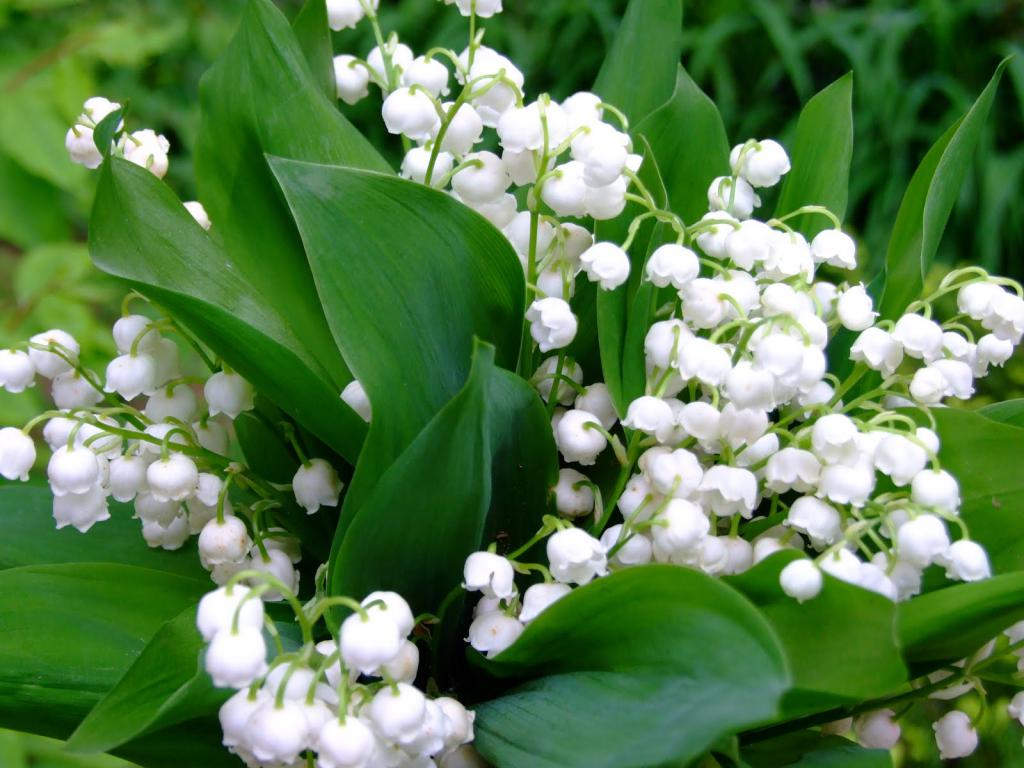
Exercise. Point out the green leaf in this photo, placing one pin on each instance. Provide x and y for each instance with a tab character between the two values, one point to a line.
107	129
821	156
1007	412
639	71
647	666
811	749
407	277
30	537
141	232
928	201
841	646
261	98
166	685
986	459
314	37
689	142
437	497
68	633
949	624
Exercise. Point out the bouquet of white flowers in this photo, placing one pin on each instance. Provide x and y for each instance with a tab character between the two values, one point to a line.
552	449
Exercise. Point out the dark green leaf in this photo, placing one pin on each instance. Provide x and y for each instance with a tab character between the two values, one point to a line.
437	496
30	537
928	202
261	98
951	623
165	686
103	134
141	232
640	69
689	142
810	749
986	459
314	37
821	156
841	645
647	666
69	632
1008	412
408	277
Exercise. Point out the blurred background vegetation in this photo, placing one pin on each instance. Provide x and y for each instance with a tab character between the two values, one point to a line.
918	66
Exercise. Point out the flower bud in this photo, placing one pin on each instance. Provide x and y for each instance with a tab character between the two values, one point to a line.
955	735
149	150
172	479
236	659
398	712
552	323
763	164
72	469
922	540
228	393
578	442
965	560
369	643
575	556
50	364
573	498
276	734
606	264
226	542
218	609
17	372
131	375
490	574
855	309
345	745
351	78
835	248
740	202
17	454
483	180
673	265
316	484
877	730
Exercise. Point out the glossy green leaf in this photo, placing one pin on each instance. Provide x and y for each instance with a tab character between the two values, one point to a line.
104	133
30	537
647	666
1007	412
166	685
437	496
639	70
949	624
689	142
261	98
841	645
811	749
821	154
314	38
141	232
928	202
986	459
408	277
68	633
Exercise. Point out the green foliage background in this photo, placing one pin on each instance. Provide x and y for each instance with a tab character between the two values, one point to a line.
917	65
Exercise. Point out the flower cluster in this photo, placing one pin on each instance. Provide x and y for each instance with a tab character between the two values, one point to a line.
143	434
351	702
145	148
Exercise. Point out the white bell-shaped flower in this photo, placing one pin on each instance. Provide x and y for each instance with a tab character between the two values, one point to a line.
349	744
576	440
672	264
677	473
855	308
603	151
401	57
371	642
235	713
417	161
552	323
792	469
877	730
50	364
922	540
801	580
735	196
597	399
412	113
224	542
705	361
430	74
131	375
715	228
564	191
71	390
543	380
955	735
1006	316
575	556
17	373
835	248
490	574
920	337
637	549
878	349
236	659
148	149
351	78
171	403
398	712
316	484
679	531
650	415
847	483
17	454
763	164
492	632
936	488
277	734
900	458
392	605
345	14
482	179
228	393
81	510
573	494
172	479
966	560
606	264
539	598
72	469
817	519
729	491
663	342
833	438
218	610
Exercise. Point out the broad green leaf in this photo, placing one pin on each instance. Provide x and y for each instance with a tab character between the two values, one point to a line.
928	201
166	685
26	750
811	749
949	624
407	277
640	69
1007	412
986	458
261	98
68	633
141	232
648	666
104	133
437	496
841	645
30	537
821	156
314	37
689	142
